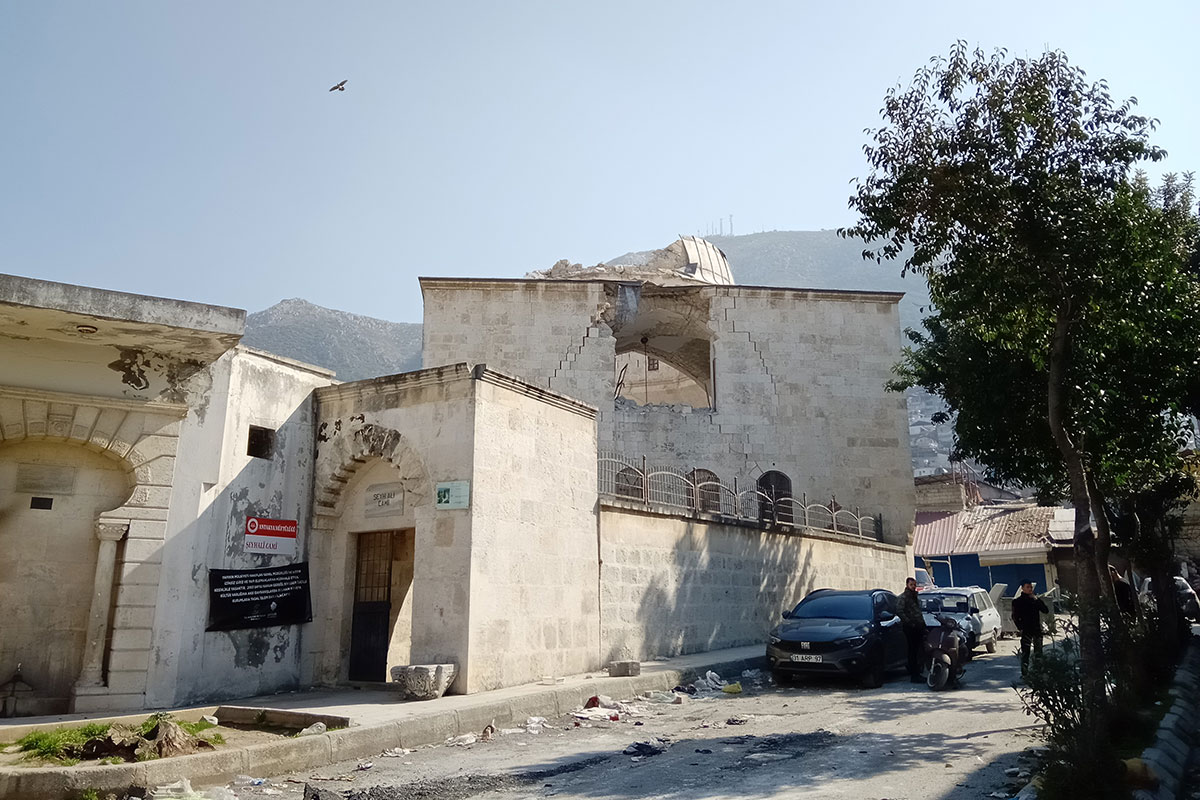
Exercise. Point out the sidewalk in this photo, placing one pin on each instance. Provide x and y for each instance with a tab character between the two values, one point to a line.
378	721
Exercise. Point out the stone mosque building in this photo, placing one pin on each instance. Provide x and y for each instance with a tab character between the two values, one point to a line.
595	463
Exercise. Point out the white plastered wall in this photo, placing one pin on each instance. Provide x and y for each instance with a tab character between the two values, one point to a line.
217	486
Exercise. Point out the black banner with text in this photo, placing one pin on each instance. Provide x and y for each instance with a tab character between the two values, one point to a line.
258	598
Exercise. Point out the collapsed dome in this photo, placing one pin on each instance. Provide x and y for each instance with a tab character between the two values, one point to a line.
686	261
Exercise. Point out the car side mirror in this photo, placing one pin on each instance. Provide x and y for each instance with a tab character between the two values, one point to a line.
886	616
974	609
787	615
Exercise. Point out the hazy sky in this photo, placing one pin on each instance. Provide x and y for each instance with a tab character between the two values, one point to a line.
192	150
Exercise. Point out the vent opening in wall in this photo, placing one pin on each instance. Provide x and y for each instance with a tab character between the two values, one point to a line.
42	503
261	442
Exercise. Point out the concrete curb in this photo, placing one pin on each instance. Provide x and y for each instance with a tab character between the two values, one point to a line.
1175	740
432	726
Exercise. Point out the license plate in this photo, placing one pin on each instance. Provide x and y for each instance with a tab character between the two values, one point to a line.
806	658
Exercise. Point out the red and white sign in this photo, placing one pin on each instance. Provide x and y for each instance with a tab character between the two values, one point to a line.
275	537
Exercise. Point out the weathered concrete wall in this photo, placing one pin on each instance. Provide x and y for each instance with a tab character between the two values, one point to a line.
672	585
535	608
422	425
218	485
49	562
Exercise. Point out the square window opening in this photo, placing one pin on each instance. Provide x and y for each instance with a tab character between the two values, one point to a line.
41	503
261	442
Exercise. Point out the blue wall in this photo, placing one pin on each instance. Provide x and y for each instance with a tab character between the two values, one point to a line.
968	572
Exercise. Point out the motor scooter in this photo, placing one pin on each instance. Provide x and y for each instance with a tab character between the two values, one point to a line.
947	652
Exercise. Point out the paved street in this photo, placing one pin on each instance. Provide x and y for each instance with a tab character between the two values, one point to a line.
820	739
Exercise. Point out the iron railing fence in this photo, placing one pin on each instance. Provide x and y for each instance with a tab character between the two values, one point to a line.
701	491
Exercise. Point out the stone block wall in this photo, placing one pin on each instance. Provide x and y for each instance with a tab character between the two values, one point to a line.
798	377
672	585
534	604
800	389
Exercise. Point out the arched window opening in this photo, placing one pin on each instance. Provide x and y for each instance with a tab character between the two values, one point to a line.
631	483
708	490
777	488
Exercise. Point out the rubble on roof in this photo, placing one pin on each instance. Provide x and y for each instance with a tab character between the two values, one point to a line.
688	261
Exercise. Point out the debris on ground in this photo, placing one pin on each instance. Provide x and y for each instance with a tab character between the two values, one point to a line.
665	697
488	732
462	740
534	724
395	752
650	747
732	688
315	729
739	719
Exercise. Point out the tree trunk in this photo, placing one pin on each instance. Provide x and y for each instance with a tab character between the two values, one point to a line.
1103	540
1091	643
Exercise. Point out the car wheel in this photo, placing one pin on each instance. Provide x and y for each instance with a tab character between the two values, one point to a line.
873	677
991	646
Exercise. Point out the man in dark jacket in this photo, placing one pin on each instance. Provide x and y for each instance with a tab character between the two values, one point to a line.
1027	610
914	628
1122	593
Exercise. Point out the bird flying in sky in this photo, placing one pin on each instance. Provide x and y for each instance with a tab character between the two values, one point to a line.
341	87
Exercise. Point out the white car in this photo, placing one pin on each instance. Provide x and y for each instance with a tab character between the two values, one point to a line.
971	606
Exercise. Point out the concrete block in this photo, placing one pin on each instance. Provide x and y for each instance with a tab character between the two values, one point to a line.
288	755
428	729
127	682
363	741
131	660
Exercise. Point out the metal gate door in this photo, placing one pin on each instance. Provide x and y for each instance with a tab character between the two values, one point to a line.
370	632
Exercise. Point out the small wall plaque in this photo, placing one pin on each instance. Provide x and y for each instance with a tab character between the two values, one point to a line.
384	500
453	494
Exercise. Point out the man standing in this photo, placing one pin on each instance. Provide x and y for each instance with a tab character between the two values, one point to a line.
1027	610
914	628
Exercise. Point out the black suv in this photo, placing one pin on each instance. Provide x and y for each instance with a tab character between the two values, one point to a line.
839	632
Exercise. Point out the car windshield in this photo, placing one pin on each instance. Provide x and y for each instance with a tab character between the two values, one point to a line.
835	606
933	602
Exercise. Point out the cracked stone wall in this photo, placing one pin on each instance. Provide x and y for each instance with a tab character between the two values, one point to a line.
217	486
799	376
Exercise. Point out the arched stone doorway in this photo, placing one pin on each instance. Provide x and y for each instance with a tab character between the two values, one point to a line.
366	558
127	526
51	495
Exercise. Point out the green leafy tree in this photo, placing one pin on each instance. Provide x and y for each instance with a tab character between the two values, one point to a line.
1059	277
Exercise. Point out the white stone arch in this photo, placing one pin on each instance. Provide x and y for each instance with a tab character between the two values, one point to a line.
357	445
144	438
